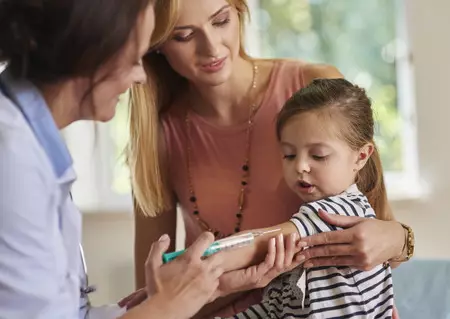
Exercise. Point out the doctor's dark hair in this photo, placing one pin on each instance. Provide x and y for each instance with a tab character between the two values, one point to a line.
350	107
47	41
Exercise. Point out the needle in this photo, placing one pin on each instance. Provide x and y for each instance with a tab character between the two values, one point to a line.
261	232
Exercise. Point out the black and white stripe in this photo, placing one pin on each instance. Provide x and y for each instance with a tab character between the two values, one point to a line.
331	292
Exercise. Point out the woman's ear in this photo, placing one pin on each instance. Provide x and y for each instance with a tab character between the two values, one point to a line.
363	156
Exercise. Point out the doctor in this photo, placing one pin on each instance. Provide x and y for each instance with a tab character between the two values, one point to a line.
69	60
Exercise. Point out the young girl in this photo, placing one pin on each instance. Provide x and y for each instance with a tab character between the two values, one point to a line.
330	161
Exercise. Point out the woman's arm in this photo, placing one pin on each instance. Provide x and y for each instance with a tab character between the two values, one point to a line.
311	220
363	244
147	231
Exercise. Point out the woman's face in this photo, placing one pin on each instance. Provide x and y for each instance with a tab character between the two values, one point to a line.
205	41
117	76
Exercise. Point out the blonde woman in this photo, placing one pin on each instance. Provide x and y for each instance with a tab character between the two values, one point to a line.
203	138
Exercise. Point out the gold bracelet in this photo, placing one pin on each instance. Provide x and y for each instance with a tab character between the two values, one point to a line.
409	245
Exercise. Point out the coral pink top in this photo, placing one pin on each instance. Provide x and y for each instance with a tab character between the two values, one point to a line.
217	157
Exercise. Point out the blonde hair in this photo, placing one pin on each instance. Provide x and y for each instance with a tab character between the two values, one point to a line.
151	192
356	128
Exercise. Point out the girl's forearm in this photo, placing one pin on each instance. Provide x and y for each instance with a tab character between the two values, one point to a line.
254	254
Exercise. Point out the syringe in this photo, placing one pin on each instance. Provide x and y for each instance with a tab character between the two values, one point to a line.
224	244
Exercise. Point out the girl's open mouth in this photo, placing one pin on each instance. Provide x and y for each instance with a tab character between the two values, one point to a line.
305	187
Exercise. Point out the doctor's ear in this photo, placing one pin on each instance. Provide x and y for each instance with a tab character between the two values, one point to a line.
363	156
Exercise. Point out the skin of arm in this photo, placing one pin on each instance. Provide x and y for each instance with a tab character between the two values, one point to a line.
242	258
147	231
155	307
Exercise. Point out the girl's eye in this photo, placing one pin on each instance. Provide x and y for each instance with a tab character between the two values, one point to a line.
289	157
319	157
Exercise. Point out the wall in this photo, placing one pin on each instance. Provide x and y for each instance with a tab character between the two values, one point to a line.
108	248
429	23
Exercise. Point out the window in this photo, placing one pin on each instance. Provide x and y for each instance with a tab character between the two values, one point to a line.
97	149
366	40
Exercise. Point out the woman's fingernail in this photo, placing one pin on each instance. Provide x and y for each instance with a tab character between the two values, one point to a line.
308	265
164	237
300	258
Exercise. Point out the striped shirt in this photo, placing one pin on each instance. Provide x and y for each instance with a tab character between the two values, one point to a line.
328	292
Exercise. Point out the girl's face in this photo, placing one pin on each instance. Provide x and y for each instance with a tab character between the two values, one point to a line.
205	41
118	75
316	162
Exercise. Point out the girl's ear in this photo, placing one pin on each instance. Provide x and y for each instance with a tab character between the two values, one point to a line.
363	156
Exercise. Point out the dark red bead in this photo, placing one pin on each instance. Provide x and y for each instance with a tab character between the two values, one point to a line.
193	199
237	230
196	212
245	168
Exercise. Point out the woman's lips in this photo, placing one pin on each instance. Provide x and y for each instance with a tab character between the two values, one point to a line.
214	66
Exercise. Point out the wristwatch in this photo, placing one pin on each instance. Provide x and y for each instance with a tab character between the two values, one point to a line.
408	247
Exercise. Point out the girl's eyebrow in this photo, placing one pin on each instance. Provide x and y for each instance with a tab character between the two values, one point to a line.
283	143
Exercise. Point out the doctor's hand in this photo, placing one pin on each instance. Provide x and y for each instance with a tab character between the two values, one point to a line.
189	281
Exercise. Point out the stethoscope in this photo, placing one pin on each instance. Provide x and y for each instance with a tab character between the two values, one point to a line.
85	288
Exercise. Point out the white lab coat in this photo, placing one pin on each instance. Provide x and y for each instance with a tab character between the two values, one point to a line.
40	227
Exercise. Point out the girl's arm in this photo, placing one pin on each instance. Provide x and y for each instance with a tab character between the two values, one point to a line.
254	254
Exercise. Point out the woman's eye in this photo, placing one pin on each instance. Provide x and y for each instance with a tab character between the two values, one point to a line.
222	22
183	38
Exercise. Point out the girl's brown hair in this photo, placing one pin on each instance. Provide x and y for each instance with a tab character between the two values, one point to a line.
350	104
151	192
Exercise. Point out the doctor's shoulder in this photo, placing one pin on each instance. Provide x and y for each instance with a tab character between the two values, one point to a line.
20	154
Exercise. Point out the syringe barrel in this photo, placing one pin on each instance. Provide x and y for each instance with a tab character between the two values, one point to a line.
236	241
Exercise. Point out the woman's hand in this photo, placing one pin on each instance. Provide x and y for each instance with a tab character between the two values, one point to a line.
186	283
364	243
280	258
133	299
